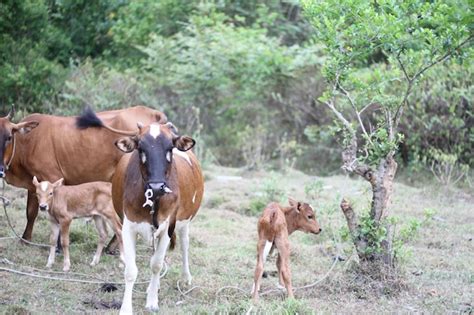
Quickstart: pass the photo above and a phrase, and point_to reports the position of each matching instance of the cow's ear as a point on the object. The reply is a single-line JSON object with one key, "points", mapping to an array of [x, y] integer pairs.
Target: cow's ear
{"points": [[172, 127], [126, 144], [25, 127], [294, 204], [35, 181], [58, 183], [184, 143]]}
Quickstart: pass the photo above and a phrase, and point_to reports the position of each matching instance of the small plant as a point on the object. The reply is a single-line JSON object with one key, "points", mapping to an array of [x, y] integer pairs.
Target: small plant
{"points": [[446, 167], [313, 189], [270, 191], [216, 201]]}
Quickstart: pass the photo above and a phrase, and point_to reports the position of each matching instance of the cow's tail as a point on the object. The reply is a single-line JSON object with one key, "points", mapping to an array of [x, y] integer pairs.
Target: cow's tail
{"points": [[89, 118]]}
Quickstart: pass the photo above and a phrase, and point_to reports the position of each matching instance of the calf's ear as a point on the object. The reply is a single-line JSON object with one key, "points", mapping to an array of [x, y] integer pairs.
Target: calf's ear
{"points": [[126, 144], [58, 183], [25, 127], [35, 181], [184, 143]]}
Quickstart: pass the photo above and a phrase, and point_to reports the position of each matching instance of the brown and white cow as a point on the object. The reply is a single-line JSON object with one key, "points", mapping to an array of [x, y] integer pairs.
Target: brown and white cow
{"points": [[274, 226], [159, 188], [65, 203], [56, 149]]}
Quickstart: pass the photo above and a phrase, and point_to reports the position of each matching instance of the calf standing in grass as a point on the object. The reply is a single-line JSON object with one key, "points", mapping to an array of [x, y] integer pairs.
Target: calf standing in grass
{"points": [[65, 203], [274, 226]]}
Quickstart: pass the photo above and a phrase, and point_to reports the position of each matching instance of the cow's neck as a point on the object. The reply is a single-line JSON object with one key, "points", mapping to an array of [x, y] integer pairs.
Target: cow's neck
{"points": [[290, 217]]}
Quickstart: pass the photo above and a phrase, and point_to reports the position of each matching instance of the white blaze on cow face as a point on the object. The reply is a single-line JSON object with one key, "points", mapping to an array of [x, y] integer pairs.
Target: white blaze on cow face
{"points": [[44, 186], [183, 155], [155, 131]]}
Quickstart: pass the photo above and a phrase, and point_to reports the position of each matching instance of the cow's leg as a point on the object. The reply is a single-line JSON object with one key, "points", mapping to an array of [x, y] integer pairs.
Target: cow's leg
{"points": [[52, 241], [283, 246], [129, 242], [156, 264], [31, 214], [259, 268], [280, 278], [111, 248], [65, 243], [102, 231], [184, 240]]}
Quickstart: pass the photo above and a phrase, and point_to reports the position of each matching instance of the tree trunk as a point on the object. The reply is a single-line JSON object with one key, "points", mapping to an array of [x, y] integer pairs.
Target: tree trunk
{"points": [[382, 188], [381, 180]]}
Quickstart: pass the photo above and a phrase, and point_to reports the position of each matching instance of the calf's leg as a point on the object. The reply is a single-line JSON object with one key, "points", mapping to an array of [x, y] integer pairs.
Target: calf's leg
{"points": [[283, 247], [52, 241], [117, 227], [258, 269], [102, 231], [65, 244]]}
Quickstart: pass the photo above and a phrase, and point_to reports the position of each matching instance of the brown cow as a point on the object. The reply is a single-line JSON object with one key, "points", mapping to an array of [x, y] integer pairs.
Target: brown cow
{"points": [[274, 227], [158, 187], [65, 203], [56, 149]]}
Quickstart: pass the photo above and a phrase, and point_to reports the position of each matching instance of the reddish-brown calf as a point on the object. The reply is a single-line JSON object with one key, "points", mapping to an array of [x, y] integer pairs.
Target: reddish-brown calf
{"points": [[274, 226], [65, 203]]}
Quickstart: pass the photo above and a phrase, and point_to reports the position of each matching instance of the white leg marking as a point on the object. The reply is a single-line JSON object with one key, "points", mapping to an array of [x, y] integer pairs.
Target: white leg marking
{"points": [[154, 130], [266, 250], [183, 155], [156, 264], [129, 235], [182, 228]]}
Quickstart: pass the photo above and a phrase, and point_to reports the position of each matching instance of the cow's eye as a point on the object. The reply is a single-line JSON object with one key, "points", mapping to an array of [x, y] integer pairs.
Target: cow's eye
{"points": [[310, 217], [142, 157], [51, 193], [9, 138]]}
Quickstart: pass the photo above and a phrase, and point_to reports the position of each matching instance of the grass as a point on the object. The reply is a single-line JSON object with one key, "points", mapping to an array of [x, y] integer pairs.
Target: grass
{"points": [[437, 277]]}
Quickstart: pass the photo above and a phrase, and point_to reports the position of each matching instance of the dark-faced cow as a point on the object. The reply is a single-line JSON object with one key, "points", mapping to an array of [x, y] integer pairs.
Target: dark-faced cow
{"points": [[159, 188], [52, 147]]}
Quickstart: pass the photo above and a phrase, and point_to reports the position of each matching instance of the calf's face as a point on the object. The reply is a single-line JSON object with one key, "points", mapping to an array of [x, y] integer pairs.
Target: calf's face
{"points": [[155, 144], [45, 192], [306, 217]]}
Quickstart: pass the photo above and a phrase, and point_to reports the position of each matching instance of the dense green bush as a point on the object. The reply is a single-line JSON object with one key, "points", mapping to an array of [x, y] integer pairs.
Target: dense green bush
{"points": [[440, 115]]}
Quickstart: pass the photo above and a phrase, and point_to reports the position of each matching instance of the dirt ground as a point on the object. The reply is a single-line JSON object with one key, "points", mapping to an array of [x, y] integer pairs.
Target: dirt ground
{"points": [[437, 273]]}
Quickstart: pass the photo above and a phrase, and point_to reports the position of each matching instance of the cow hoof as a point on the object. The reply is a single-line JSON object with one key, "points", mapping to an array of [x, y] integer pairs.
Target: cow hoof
{"points": [[153, 308], [188, 280]]}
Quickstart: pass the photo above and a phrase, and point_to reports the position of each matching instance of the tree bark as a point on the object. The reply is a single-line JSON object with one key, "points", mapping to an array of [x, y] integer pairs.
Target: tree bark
{"points": [[382, 188]]}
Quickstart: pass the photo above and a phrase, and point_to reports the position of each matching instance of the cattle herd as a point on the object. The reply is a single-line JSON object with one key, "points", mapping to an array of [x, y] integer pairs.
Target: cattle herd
{"points": [[129, 167]]}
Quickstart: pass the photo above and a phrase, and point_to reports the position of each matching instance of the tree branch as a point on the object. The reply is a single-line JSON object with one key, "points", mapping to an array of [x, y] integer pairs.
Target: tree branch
{"points": [[410, 80]]}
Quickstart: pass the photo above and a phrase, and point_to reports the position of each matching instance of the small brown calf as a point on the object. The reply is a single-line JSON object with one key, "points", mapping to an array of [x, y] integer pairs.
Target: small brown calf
{"points": [[274, 226], [65, 203]]}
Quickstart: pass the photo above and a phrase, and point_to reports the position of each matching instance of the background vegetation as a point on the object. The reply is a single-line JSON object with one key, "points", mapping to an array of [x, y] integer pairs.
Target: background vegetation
{"points": [[242, 76]]}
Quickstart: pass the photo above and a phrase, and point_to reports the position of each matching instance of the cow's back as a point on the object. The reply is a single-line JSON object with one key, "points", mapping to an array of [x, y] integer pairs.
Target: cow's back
{"points": [[57, 148]]}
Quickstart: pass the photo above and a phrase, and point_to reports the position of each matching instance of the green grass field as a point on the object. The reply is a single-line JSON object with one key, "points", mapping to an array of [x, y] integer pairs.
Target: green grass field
{"points": [[436, 267]]}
